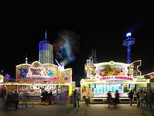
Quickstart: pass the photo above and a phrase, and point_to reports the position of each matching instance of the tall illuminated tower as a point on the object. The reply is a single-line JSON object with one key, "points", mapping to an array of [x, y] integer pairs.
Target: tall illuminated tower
{"points": [[45, 51], [128, 42]]}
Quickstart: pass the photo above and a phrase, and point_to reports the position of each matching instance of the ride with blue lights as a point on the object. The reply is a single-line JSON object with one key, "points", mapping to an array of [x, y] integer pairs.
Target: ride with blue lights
{"points": [[128, 42]]}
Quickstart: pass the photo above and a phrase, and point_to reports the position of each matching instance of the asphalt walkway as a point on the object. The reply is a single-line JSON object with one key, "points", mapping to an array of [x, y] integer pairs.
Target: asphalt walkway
{"points": [[83, 110]]}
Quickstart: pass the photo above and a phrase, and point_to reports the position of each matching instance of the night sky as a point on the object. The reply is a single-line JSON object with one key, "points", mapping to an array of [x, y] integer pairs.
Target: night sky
{"points": [[101, 25]]}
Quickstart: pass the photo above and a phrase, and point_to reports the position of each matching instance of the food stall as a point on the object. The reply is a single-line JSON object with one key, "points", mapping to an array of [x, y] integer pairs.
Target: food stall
{"points": [[110, 76]]}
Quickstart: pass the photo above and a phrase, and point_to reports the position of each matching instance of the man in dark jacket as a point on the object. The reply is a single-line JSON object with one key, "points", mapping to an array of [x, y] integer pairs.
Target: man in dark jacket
{"points": [[50, 97], [138, 98], [130, 95], [16, 99]]}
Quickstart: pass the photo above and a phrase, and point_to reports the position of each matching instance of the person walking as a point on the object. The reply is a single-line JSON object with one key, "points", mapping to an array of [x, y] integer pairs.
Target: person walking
{"points": [[78, 99], [74, 101], [74, 98], [130, 96]]}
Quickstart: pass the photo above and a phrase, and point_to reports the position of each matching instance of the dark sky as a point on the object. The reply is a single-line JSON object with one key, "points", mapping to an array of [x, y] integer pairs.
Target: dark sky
{"points": [[101, 25]]}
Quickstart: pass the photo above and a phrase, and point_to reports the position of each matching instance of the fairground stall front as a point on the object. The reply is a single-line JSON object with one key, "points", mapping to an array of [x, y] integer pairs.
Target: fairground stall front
{"points": [[1, 86], [31, 78], [111, 76]]}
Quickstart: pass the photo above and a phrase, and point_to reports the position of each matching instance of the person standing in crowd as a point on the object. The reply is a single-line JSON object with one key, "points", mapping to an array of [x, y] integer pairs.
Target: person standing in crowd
{"points": [[149, 99], [24, 98], [109, 99], [2, 101], [116, 99], [16, 99], [142, 95], [130, 95], [145, 99], [8, 101], [50, 97], [45, 96], [138, 98], [42, 98]]}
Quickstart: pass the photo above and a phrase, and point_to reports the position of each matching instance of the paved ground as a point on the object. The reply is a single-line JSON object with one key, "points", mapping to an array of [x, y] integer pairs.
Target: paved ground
{"points": [[83, 110]]}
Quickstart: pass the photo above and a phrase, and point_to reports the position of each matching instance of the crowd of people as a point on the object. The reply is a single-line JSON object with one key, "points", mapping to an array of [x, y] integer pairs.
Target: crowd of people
{"points": [[11, 99], [145, 99], [46, 97]]}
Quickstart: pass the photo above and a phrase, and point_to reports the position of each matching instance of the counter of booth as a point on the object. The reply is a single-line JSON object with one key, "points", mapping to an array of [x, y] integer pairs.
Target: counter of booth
{"points": [[97, 90]]}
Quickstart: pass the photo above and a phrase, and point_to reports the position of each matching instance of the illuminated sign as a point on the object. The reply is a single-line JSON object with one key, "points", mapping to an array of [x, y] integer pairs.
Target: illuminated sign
{"points": [[36, 71], [108, 70], [115, 82], [127, 78], [143, 80]]}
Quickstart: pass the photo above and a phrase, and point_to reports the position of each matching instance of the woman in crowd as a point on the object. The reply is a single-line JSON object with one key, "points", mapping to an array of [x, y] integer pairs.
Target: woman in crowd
{"points": [[116, 99], [109, 99]]}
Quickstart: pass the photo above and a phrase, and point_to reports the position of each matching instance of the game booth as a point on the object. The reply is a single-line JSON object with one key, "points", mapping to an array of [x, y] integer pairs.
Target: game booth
{"points": [[32, 78], [111, 76]]}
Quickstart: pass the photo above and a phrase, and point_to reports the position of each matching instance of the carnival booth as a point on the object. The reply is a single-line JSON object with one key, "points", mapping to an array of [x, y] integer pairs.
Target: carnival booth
{"points": [[111, 76], [32, 78], [1, 79], [1, 84]]}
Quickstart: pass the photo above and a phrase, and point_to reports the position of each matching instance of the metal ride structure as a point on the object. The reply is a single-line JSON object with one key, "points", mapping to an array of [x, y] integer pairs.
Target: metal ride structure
{"points": [[128, 42]]}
